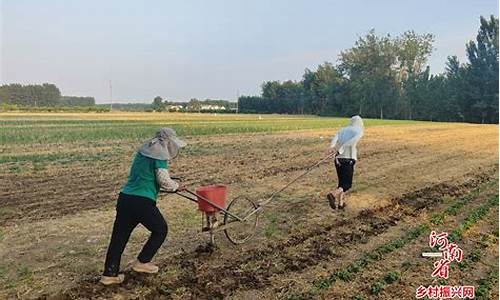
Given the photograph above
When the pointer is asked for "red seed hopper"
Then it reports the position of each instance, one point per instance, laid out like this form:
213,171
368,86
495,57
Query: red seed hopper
215,193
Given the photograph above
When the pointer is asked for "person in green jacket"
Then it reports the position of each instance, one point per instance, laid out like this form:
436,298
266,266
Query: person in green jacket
137,204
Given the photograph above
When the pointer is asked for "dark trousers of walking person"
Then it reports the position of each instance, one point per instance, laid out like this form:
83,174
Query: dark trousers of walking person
131,211
345,171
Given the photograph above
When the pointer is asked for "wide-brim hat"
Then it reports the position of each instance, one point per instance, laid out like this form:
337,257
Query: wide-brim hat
164,146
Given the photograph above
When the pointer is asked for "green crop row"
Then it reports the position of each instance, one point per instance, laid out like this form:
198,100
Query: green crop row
453,210
486,284
468,261
49,130
475,215
472,218
347,273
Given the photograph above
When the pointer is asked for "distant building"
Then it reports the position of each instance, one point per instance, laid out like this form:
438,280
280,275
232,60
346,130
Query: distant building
212,107
175,107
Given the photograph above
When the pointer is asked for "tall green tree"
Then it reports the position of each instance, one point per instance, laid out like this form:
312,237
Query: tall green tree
386,77
413,51
323,89
371,68
158,104
481,77
30,95
454,101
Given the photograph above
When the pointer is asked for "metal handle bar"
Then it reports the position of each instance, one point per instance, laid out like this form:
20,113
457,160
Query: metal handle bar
262,204
309,169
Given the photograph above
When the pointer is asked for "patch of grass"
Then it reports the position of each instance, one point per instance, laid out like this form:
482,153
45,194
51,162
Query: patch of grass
485,284
377,287
106,127
295,297
60,157
24,273
344,274
321,283
407,265
272,228
438,219
15,169
3,271
452,210
475,215
347,273
475,255
391,277
164,290
490,238
189,217
38,166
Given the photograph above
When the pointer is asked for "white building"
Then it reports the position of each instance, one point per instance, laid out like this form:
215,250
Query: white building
175,107
212,107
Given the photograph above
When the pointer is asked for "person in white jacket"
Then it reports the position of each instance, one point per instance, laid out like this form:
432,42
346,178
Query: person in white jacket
343,145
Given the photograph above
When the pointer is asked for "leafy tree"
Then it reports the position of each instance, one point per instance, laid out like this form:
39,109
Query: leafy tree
481,76
323,89
77,101
371,68
453,100
158,104
30,95
413,50
194,105
389,77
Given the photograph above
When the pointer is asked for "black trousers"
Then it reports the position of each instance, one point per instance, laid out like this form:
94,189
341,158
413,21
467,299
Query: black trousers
131,211
345,170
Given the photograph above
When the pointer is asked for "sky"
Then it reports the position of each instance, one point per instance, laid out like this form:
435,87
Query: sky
207,49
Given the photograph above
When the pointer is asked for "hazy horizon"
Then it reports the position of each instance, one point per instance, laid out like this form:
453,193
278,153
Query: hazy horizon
199,49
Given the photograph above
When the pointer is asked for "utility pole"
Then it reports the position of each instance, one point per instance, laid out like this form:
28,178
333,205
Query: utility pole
110,95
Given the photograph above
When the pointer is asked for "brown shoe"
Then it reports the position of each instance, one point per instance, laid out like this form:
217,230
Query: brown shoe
331,200
108,280
149,267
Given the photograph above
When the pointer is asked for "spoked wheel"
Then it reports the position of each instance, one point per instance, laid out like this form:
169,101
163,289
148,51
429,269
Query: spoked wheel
236,231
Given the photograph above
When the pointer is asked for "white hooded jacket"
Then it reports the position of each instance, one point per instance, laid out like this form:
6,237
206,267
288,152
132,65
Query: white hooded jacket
346,139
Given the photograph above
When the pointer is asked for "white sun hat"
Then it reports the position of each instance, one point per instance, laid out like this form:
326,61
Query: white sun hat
164,146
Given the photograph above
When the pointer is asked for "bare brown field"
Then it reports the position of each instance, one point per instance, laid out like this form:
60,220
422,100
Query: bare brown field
56,218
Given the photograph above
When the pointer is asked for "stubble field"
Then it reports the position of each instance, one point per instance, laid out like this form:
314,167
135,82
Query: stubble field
60,175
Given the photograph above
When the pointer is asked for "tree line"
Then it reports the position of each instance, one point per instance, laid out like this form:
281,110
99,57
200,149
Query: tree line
39,95
388,77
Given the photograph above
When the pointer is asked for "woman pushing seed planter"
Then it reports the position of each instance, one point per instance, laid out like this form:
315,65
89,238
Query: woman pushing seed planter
137,204
148,175
343,146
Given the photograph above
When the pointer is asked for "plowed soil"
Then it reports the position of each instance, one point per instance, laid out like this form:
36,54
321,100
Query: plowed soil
56,219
